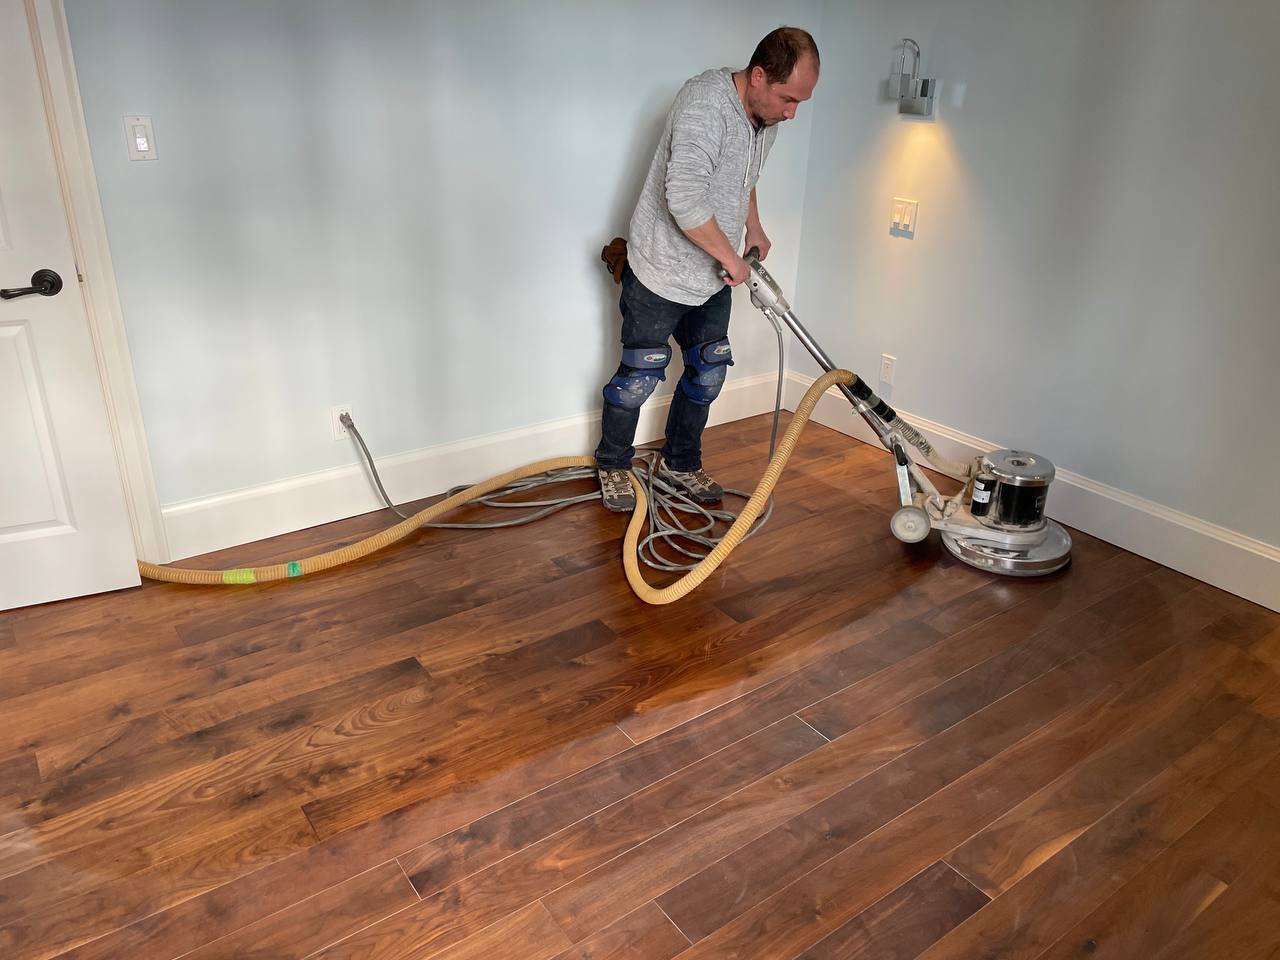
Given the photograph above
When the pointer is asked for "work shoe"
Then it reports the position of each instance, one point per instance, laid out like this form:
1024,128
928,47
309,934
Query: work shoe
615,490
696,484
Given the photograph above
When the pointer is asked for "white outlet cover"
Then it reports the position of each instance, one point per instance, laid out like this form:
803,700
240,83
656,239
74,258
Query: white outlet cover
337,410
887,363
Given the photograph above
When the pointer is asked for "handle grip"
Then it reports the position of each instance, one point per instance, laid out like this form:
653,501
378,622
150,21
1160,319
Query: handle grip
44,282
752,254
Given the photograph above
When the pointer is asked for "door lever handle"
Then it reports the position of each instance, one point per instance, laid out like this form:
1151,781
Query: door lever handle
44,282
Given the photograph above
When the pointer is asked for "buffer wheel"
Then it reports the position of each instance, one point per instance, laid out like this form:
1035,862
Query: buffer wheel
910,524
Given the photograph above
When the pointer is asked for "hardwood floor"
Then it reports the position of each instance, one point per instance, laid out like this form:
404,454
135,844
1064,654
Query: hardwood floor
481,745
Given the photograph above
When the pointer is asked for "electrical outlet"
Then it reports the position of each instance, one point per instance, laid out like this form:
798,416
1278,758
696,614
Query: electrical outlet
886,368
335,413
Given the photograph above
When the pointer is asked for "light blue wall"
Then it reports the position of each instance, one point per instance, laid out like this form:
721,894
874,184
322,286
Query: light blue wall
403,209
394,204
1094,275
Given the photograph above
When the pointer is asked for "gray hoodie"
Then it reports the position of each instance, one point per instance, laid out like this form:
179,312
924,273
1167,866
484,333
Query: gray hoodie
706,165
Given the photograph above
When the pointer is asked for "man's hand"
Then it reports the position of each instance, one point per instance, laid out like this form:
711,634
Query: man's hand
709,237
757,238
737,271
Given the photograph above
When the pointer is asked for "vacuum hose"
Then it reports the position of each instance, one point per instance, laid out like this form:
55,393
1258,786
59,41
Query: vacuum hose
668,594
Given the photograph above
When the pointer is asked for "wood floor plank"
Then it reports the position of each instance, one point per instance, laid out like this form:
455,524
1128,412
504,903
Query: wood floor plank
442,920
721,891
19,774
664,674
312,924
457,704
1058,703
78,653
254,652
602,691
1027,919
777,578
1016,843
298,657
808,909
81,774
1146,914
217,625
995,637
257,894
105,745
841,579
465,851
312,761
43,717
63,907
1241,927
148,610
803,643
905,922
830,896
623,778
1242,922
527,934
438,555
1268,781
863,659
456,642
717,891
644,934
587,904
488,839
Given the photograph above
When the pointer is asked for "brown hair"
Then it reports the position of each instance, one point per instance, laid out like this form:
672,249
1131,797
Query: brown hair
780,51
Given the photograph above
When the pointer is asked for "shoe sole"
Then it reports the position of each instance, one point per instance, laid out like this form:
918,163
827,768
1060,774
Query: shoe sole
698,499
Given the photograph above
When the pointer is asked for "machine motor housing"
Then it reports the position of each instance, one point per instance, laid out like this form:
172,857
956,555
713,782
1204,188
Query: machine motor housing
1011,488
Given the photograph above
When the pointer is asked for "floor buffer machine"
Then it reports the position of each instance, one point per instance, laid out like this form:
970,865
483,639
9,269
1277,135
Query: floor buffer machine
996,522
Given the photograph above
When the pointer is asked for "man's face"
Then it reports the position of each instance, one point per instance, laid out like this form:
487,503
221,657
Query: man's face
770,103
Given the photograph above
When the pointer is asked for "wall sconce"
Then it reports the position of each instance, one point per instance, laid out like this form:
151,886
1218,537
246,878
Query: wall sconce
913,92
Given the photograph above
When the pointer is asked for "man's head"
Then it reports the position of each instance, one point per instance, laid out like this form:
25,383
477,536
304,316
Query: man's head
781,75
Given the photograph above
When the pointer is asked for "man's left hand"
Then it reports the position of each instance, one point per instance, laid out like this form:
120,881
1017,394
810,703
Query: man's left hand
757,238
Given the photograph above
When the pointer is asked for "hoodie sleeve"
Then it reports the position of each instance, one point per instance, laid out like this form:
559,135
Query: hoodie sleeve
697,140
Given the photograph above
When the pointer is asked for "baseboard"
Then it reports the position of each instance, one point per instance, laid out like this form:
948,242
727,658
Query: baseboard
199,526
1236,563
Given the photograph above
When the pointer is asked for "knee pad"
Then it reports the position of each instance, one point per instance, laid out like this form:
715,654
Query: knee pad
639,374
705,367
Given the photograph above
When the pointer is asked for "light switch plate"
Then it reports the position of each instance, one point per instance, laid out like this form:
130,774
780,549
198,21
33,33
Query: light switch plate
902,217
140,138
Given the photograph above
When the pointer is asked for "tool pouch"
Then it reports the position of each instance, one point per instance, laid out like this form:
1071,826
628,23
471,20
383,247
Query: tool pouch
614,256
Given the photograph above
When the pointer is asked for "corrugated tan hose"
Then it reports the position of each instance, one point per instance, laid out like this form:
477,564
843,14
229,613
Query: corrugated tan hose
668,594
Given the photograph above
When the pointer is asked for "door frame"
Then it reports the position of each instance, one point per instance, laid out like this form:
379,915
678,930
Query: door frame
70,140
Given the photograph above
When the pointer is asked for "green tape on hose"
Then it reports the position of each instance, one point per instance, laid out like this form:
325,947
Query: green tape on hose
238,576
295,568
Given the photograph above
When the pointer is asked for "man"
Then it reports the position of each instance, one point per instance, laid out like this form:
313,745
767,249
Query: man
697,201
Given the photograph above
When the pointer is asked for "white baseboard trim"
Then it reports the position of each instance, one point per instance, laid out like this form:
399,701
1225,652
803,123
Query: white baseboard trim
1236,563
193,527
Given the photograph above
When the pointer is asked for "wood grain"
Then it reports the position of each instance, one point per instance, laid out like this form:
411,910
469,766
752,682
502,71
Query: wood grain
479,744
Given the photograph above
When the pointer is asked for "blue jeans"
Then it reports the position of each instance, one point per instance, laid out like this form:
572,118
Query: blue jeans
648,320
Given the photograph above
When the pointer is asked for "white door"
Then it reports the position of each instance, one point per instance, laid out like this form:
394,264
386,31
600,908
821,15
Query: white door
64,526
